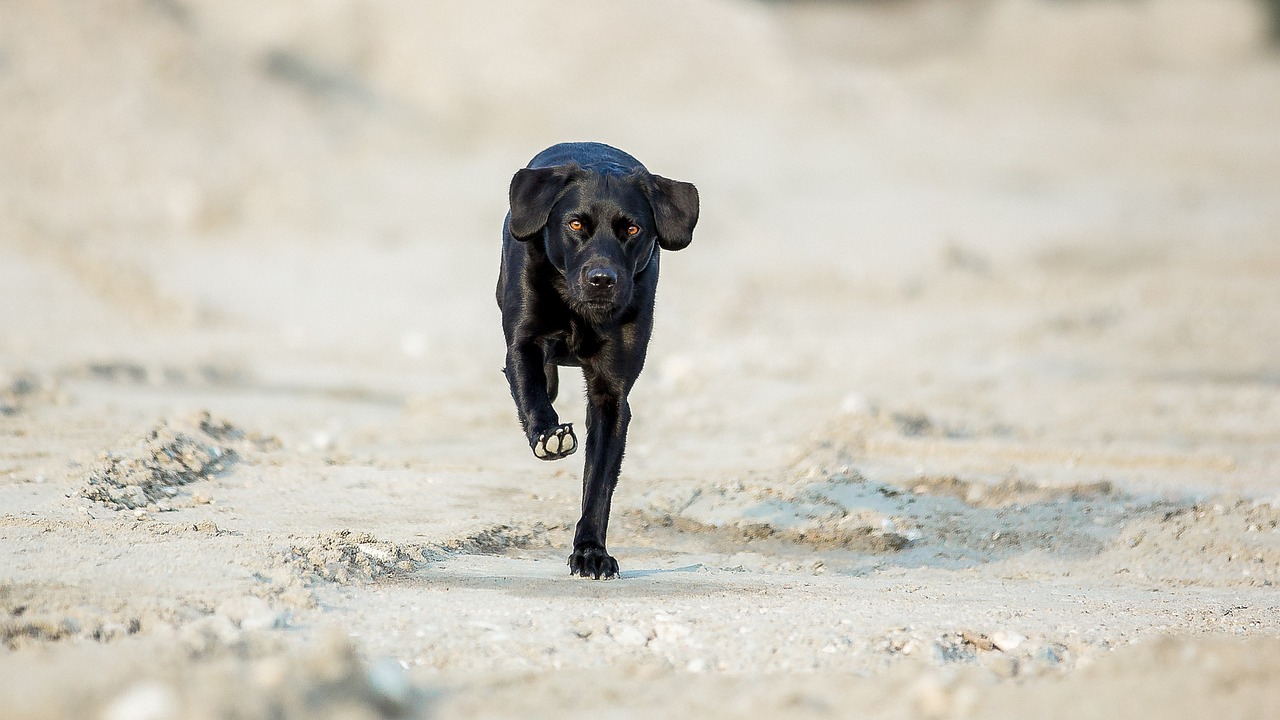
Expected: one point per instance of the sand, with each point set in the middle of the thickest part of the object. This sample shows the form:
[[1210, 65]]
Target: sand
[[964, 401]]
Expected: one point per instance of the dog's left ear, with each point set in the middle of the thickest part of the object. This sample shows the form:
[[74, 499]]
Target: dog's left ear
[[533, 192], [675, 209]]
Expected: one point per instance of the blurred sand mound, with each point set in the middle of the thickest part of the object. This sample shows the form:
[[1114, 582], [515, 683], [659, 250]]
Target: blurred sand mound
[[137, 120]]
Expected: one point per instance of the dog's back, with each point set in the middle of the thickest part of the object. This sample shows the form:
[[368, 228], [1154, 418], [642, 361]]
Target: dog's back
[[593, 156]]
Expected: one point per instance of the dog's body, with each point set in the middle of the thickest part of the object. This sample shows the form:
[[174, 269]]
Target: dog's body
[[580, 250]]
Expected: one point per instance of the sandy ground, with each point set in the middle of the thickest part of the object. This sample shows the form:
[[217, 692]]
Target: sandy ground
[[964, 402]]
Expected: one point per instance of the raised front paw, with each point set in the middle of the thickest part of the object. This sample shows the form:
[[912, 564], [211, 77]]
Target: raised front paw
[[555, 443], [593, 562]]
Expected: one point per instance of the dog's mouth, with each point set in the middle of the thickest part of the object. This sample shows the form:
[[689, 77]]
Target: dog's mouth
[[597, 307]]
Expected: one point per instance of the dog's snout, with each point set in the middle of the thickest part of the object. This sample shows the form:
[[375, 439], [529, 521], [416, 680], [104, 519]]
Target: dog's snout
[[602, 278]]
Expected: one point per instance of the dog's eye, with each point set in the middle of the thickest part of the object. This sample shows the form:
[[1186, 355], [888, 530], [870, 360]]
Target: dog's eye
[[575, 225], [633, 230]]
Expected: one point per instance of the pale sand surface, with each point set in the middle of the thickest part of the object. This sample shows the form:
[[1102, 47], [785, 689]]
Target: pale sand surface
[[964, 402]]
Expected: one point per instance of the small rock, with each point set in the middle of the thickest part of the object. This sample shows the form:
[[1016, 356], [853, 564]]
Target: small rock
[[593, 626], [1006, 640], [251, 613], [671, 632], [390, 687], [1050, 655], [207, 633], [856, 404], [978, 640], [111, 631], [627, 635], [144, 701]]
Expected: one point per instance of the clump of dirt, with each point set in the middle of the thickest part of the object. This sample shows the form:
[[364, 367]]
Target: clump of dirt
[[1012, 491], [346, 556], [864, 532], [151, 469], [22, 628], [15, 632], [1004, 653], [327, 680], [21, 390], [499, 539], [126, 372], [945, 520], [1192, 545]]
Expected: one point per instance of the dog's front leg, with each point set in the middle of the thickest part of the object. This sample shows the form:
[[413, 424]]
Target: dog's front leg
[[608, 416], [527, 376]]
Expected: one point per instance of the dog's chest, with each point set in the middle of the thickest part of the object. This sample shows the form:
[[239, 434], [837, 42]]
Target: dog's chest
[[577, 343], [582, 340]]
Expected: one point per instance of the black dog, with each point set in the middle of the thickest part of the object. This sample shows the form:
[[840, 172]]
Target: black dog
[[576, 288]]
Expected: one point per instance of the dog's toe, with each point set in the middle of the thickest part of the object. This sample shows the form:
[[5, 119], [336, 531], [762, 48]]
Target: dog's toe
[[555, 443], [593, 562]]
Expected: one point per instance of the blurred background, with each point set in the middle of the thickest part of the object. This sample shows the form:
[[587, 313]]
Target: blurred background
[[893, 192]]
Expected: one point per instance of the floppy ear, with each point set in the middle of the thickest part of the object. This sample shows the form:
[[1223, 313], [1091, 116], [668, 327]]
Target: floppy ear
[[533, 192], [675, 209]]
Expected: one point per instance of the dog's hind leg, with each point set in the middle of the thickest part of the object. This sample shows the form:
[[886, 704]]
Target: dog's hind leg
[[553, 380]]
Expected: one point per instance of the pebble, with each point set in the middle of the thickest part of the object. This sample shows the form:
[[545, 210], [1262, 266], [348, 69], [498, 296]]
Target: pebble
[[627, 635], [251, 613], [671, 632], [1050, 655], [1006, 640], [390, 687], [978, 640], [144, 701], [205, 634]]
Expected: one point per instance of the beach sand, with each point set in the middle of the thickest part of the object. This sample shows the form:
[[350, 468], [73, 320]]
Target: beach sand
[[964, 401]]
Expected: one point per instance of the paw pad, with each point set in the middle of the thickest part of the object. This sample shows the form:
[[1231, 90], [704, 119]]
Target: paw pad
[[555, 443]]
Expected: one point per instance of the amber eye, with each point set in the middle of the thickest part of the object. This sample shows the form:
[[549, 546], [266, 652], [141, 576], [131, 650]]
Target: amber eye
[[575, 225], [633, 230]]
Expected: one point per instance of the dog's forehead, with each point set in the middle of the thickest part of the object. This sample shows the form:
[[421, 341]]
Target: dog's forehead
[[607, 195]]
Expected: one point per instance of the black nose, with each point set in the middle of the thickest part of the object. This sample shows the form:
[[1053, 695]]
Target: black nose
[[602, 278]]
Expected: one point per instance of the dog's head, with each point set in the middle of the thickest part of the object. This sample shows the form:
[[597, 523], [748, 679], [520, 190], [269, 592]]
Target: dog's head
[[601, 230]]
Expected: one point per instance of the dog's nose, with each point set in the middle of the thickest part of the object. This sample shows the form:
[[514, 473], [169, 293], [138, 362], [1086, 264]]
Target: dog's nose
[[602, 278]]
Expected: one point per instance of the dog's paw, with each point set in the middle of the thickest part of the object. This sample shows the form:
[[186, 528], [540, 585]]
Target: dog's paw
[[555, 443], [593, 562]]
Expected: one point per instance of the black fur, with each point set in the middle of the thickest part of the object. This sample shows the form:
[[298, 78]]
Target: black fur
[[582, 295]]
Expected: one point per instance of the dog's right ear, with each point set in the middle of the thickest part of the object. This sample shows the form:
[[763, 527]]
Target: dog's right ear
[[533, 192]]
